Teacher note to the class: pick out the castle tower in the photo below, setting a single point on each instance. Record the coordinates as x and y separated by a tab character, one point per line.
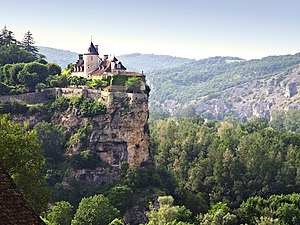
91	60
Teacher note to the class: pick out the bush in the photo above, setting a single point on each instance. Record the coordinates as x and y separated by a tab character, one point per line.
14	107
60	104
133	84
91	108
97	83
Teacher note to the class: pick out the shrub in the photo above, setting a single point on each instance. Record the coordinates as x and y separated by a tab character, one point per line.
91	108
14	107
60	104
133	84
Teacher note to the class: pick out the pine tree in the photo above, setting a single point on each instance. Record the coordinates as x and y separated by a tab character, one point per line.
28	43
7	37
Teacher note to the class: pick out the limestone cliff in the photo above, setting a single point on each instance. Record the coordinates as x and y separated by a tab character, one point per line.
121	134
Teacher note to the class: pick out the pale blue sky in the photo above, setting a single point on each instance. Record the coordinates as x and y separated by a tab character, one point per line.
187	28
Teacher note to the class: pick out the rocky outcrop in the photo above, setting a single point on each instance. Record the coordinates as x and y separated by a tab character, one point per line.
121	134
257	98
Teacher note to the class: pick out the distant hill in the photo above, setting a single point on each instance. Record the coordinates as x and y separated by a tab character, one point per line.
217	88
59	56
148	62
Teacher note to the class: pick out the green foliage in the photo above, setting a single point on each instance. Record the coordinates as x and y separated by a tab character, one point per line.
213	75
285	208
133	84
61	213
120	79
167	213
28	43
89	107
32	74
158	114
117	222
97	83
60	104
95	210
40	86
4	89
186	112
13	107
121	197
22	158
53	69
51	140
58	80
288	120
226	162
85	160
81	136
218	214
14	54
77	81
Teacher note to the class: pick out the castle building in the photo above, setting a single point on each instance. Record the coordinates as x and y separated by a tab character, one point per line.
90	65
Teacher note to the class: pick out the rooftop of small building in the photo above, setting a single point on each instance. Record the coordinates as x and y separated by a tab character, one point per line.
92	50
13	207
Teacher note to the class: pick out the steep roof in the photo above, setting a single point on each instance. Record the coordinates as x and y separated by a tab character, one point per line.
13	207
92	50
114	59
119	66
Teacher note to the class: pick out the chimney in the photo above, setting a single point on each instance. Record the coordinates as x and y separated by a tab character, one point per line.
80	56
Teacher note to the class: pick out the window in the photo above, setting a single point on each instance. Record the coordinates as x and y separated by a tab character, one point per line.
92	58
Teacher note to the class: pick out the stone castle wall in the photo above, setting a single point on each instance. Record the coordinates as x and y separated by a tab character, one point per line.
30	98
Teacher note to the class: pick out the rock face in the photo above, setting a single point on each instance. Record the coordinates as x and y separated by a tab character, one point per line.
121	134
258	98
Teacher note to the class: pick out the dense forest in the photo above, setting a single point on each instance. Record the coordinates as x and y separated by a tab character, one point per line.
202	171
205	172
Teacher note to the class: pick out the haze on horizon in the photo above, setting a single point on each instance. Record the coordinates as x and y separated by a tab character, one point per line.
190	29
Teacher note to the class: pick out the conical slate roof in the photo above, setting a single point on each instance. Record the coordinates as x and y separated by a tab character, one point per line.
92	50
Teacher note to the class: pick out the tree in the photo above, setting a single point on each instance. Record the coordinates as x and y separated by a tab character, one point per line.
32	74
167	213
121	197
22	158
7	37
53	69
61	213
219	214
14	71
14	54
28	43
95	210
51	139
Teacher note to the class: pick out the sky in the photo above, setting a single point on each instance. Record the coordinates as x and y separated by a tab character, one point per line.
187	28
